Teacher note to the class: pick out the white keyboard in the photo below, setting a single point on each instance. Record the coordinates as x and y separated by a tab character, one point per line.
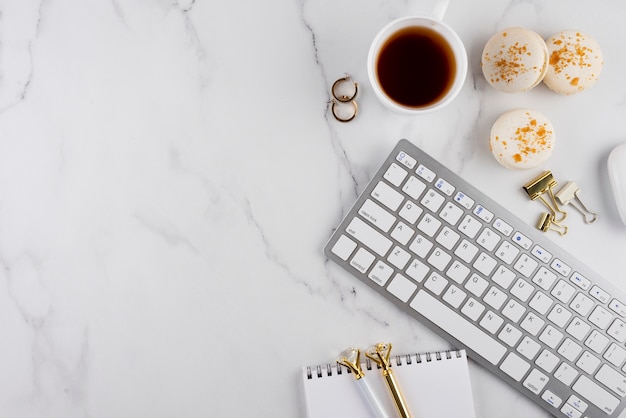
488	282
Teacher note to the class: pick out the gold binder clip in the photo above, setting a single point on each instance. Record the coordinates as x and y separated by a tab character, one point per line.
536	188
547	223
380	354
569	194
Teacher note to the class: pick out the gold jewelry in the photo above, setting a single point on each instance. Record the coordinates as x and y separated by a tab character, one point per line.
335	104
343	97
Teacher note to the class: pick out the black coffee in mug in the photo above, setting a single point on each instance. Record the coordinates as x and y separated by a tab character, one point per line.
416	67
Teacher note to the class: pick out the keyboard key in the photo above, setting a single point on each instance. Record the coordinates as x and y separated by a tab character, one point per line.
536	381
483	213
569	349
503	227
515	366
612	380
401	287
458	272
615	355
559	315
369	236
596	394
406	160
588	362
563	291
576	402
381	273
398	257
495	298
491	322
528	348
507	252
402	233
377	216
596	341
386	195
451	213
513	310
425	173
547	361
561	267
551	399
445	187
488	239
462	330
599	294
421	246
454	296
476	285
473	309
429	225
510	335
344	247
432	200
439	259
362	260
532	323
504	277
525	265
414	187
544	278
470	226
541	254
395	175
600	317
581	304
578	329
464	200
417	270
580	280
617	330
522	289
551	336
448	238
566	373
435	283
410	212
522	240
618	307
466	251
570	412
485	264
540	303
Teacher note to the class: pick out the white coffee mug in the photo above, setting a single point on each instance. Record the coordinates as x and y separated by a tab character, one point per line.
409	83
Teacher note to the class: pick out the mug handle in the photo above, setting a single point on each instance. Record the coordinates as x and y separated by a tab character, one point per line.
440	9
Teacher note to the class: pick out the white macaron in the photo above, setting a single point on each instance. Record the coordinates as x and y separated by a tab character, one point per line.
515	60
522	139
575	62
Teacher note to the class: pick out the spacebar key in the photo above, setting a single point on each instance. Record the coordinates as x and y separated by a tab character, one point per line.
458	327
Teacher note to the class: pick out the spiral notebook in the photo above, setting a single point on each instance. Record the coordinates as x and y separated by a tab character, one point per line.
434	385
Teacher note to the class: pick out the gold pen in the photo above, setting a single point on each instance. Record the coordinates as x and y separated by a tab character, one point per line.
380	353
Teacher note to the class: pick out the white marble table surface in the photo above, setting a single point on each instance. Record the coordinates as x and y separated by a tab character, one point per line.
169	174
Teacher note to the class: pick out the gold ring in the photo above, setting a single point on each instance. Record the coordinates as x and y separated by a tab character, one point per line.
342	97
339	118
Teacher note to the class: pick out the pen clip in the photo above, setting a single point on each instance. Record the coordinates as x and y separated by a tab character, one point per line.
540	185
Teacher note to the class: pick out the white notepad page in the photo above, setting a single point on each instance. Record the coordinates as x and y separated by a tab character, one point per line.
435	388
